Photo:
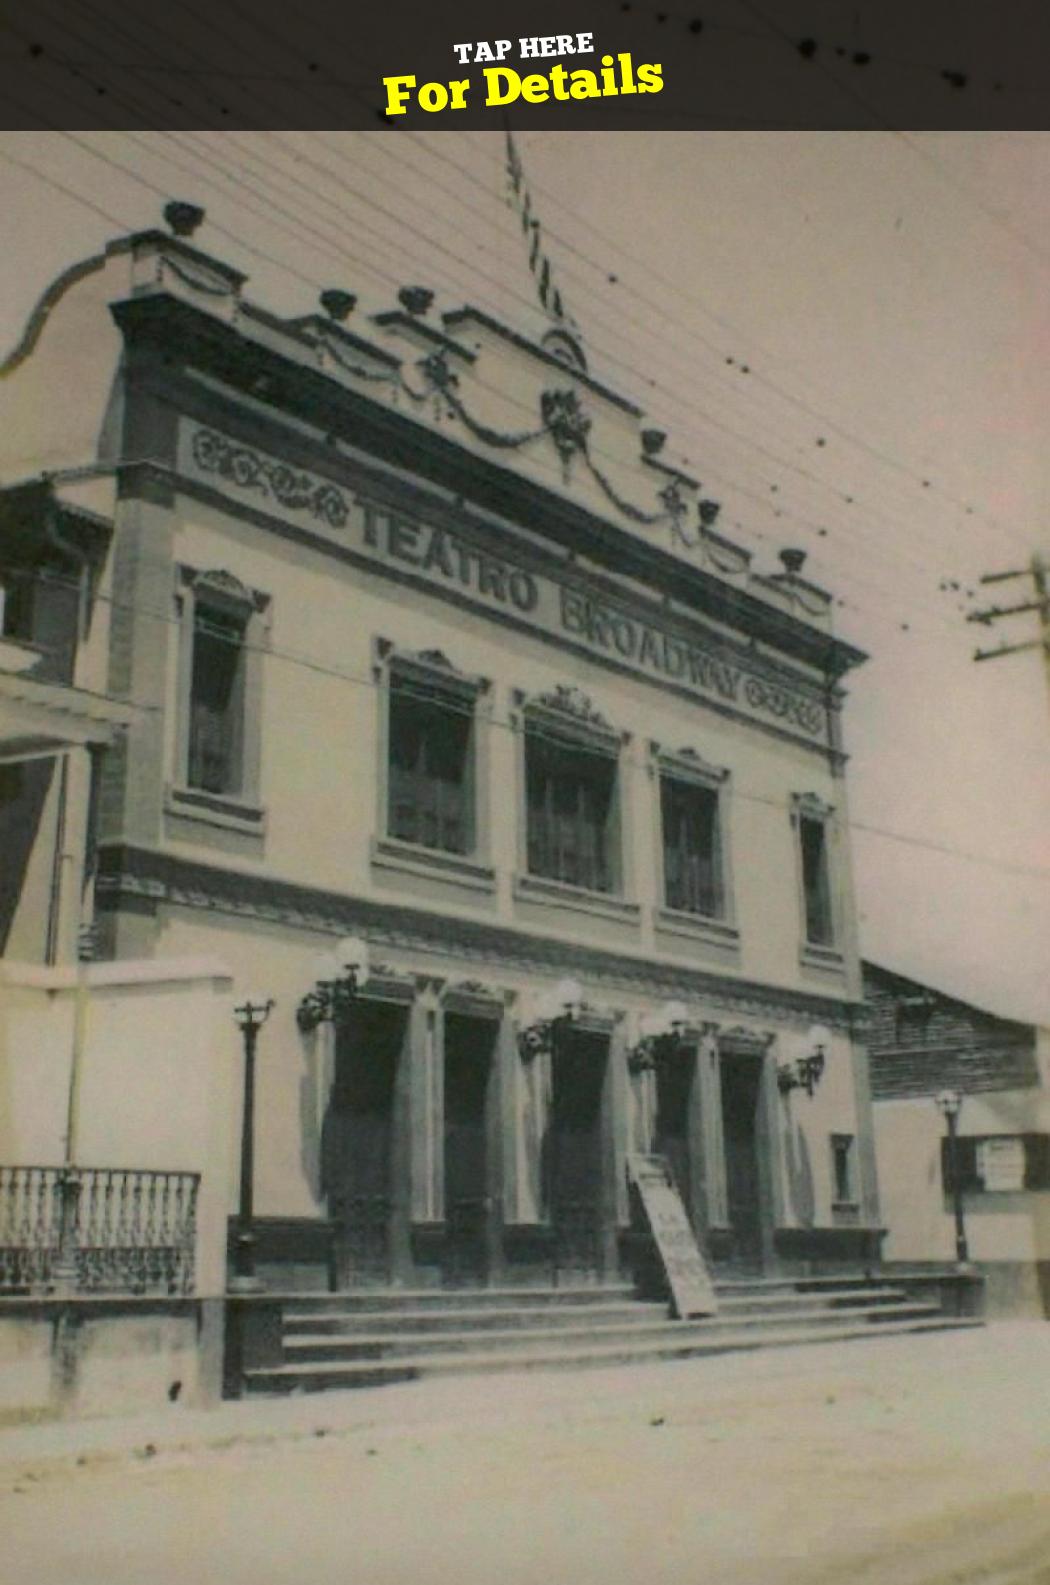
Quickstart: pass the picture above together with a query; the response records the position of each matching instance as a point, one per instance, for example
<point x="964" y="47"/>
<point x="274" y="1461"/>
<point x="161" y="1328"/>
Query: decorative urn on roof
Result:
<point x="183" y="218"/>
<point x="338" y="305"/>
<point x="415" y="299"/>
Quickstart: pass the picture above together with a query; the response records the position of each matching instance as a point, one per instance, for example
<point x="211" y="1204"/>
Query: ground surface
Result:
<point x="916" y="1461"/>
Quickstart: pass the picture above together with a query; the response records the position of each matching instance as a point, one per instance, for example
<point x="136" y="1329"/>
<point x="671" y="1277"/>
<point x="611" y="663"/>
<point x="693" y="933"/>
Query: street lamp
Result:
<point x="661" y="1035"/>
<point x="250" y="1015"/>
<point x="949" y="1104"/>
<point x="546" y="1015"/>
<point x="338" y="977"/>
<point x="806" y="1071"/>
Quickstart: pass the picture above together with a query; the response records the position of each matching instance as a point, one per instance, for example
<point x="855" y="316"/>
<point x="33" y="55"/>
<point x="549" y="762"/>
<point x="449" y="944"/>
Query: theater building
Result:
<point x="422" y="637"/>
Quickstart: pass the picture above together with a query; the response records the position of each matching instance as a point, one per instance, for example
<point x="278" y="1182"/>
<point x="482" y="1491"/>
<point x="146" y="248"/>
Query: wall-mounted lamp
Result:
<point x="550" y="1012"/>
<point x="661" y="1035"/>
<point x="805" y="1072"/>
<point x="338" y="976"/>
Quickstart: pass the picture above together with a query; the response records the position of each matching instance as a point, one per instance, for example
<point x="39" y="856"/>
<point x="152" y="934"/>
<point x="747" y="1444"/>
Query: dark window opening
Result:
<point x="430" y="791"/>
<point x="216" y="726"/>
<point x="842" y="1168"/>
<point x="816" y="884"/>
<point x="692" y="848"/>
<point x="570" y="797"/>
<point x="39" y="608"/>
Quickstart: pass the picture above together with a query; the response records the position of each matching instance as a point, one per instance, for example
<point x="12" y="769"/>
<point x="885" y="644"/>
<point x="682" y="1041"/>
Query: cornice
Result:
<point x="368" y="480"/>
<point x="308" y="394"/>
<point x="132" y="874"/>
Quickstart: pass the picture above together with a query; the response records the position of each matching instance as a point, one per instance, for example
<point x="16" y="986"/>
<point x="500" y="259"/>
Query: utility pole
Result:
<point x="1039" y="572"/>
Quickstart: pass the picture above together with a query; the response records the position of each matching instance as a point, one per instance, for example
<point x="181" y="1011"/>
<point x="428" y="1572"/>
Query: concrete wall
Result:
<point x="160" y="1078"/>
<point x="87" y="1357"/>
<point x="1008" y="1232"/>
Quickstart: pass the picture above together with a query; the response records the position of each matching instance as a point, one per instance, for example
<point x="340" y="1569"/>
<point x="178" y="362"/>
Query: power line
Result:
<point x="709" y="418"/>
<point x="565" y="241"/>
<point x="626" y="759"/>
<point x="743" y="488"/>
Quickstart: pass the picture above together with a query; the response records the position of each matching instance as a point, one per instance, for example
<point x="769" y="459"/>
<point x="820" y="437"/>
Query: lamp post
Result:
<point x="250" y="1015"/>
<point x="949" y="1104"/>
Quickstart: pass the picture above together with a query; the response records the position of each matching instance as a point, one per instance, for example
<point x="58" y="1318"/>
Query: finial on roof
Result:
<point x="793" y="560"/>
<point x="337" y="304"/>
<point x="564" y="337"/>
<point x="183" y="218"/>
<point x="415" y="299"/>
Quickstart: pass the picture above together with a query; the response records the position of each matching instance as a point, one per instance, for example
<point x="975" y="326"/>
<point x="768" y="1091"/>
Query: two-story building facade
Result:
<point x="425" y="641"/>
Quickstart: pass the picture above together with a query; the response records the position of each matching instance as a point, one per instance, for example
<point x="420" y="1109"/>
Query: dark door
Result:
<point x="674" y="1084"/>
<point x="575" y="1154"/>
<point x="468" y="1069"/>
<point x="741" y="1085"/>
<point x="358" y="1142"/>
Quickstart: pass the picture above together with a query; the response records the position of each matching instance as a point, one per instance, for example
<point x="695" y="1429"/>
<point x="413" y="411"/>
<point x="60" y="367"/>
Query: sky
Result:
<point x="846" y="334"/>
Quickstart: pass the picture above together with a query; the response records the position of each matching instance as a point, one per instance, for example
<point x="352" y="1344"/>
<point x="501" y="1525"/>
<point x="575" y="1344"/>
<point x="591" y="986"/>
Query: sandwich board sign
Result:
<point x="692" y="1291"/>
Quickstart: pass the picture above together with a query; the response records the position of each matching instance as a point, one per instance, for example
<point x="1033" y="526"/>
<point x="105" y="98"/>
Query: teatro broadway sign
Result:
<point x="560" y="606"/>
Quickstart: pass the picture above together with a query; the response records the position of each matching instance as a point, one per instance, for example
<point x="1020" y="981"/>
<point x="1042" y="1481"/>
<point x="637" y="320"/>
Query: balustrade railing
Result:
<point x="100" y="1229"/>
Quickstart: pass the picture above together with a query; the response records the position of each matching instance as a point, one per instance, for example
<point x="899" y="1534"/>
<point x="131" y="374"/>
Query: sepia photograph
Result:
<point x="524" y="862"/>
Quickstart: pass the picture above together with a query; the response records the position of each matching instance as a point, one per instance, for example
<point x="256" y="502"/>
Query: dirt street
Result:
<point x="916" y="1461"/>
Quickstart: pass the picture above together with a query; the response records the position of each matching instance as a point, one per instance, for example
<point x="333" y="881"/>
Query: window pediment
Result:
<point x="687" y="764"/>
<point x="569" y="713"/>
<point x="431" y="670"/>
<point x="809" y="806"/>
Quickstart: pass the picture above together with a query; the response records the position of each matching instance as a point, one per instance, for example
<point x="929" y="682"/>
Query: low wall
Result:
<point x="86" y="1356"/>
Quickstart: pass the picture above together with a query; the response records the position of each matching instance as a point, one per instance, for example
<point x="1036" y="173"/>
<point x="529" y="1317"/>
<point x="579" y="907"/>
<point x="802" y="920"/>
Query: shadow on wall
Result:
<point x="1039" y="1210"/>
<point x="799" y="1174"/>
<point x="311" y="1106"/>
<point x="23" y="795"/>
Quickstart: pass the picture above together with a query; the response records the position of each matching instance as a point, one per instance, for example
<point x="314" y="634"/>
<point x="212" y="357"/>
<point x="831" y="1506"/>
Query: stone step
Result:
<point x="390" y="1345"/>
<point x="365" y="1300"/>
<point x="689" y="1342"/>
<point x="466" y="1315"/>
<point x="843" y="1279"/>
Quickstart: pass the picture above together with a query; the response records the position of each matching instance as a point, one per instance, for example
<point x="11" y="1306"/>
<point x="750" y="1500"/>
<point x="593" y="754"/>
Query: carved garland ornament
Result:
<point x="290" y="487"/>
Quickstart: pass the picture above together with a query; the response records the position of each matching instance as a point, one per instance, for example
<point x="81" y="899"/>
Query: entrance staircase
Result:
<point x="372" y="1338"/>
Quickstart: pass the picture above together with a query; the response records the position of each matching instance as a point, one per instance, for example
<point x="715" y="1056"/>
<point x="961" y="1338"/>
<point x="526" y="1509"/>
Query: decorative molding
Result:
<point x="195" y="280"/>
<point x="744" y="1042"/>
<point x="250" y="470"/>
<point x="560" y="894"/>
<point x="567" y="423"/>
<point x="159" y="318"/>
<point x="828" y="959"/>
<point x="566" y="699"/>
<point x="128" y="874"/>
<point x="687" y="764"/>
<point x="810" y="806"/>
<point x="453" y="869"/>
<point x="431" y="668"/>
<point x="699" y="929"/>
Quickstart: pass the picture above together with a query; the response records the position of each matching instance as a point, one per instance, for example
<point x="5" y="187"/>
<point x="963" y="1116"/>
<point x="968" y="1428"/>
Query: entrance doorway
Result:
<point x="741" y="1093"/>
<point x="469" y="1051"/>
<point x="674" y="1090"/>
<point x="574" y="1154"/>
<point x="358" y="1143"/>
